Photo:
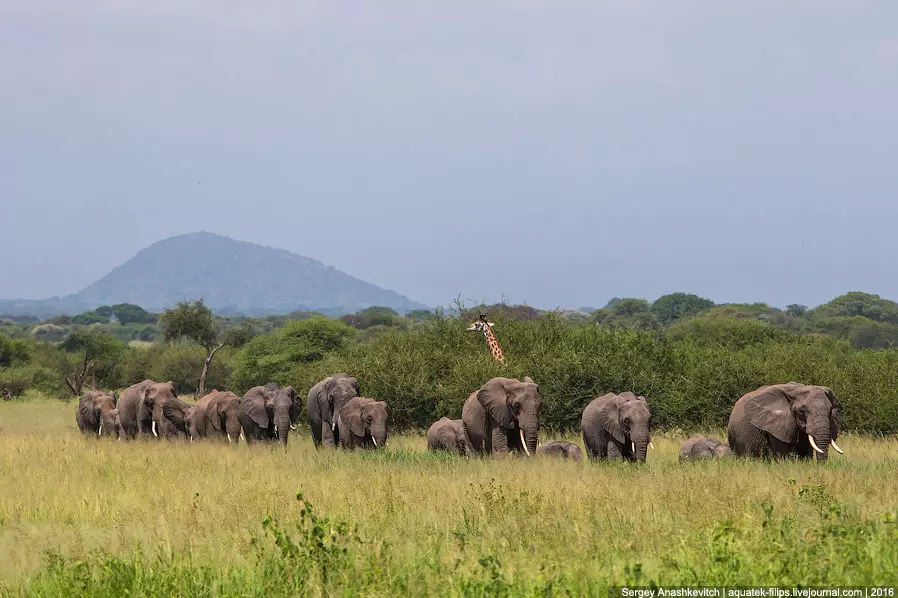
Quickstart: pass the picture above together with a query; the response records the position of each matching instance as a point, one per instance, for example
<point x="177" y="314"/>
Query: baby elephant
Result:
<point x="365" y="423"/>
<point x="700" y="447"/>
<point x="447" y="435"/>
<point x="561" y="448"/>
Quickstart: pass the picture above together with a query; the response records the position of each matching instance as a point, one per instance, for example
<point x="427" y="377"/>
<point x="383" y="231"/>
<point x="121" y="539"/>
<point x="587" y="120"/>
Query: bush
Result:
<point x="691" y="380"/>
<point x="273" y="356"/>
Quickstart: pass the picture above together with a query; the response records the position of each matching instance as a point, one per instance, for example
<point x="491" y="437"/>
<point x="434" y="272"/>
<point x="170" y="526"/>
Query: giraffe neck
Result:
<point x="493" y="344"/>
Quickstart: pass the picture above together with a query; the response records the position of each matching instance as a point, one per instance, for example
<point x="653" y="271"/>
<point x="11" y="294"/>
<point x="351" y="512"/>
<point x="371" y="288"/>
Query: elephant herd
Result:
<point x="499" y="418"/>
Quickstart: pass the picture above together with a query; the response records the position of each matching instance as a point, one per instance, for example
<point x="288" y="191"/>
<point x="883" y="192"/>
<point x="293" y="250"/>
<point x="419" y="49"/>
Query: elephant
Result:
<point x="561" y="448"/>
<point x="97" y="414"/>
<point x="701" y="447"/>
<point x="269" y="412"/>
<point x="617" y="427"/>
<point x="216" y="414"/>
<point x="324" y="403"/>
<point x="364" y="423"/>
<point x="167" y="410"/>
<point x="785" y="419"/>
<point x="447" y="435"/>
<point x="134" y="415"/>
<point x="503" y="416"/>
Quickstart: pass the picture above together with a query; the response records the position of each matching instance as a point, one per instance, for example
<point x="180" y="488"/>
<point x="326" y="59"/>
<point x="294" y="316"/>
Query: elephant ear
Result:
<point x="352" y="414"/>
<point x="835" y="402"/>
<point x="254" y="407"/>
<point x="295" y="403"/>
<point x="447" y="435"/>
<point x="529" y="380"/>
<point x="215" y="416"/>
<point x="769" y="409"/>
<point x="87" y="413"/>
<point x="493" y="397"/>
<point x="143" y="412"/>
<point x="610" y="415"/>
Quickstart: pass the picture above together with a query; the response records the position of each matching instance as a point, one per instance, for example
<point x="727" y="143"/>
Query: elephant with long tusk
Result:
<point x="503" y="417"/>
<point x="786" y="419"/>
<point x="324" y="402"/>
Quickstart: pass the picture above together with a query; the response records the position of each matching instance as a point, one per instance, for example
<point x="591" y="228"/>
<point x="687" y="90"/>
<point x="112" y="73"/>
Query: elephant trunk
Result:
<point x="283" y="428"/>
<point x="529" y="428"/>
<point x="819" y="435"/>
<point x="233" y="427"/>
<point x="639" y="443"/>
<point x="378" y="435"/>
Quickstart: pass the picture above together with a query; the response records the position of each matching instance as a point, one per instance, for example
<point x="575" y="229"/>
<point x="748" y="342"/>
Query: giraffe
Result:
<point x="481" y="325"/>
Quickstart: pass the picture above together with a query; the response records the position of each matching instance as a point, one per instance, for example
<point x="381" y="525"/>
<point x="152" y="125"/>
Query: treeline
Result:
<point x="690" y="360"/>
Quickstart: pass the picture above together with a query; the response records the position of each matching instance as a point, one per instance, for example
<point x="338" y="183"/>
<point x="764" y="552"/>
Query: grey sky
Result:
<point x="557" y="152"/>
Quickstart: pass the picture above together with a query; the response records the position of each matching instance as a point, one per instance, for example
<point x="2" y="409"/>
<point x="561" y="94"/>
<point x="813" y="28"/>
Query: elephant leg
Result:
<point x="780" y="449"/>
<point x="613" y="451"/>
<point x="499" y="438"/>
<point x="327" y="435"/>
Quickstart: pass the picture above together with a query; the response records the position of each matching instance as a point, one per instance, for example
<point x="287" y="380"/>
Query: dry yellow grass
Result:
<point x="540" y="517"/>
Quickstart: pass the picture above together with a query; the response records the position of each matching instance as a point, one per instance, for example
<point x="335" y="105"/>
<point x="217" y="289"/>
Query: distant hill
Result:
<point x="231" y="276"/>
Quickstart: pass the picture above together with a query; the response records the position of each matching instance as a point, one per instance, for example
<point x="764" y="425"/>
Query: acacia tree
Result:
<point x="194" y="321"/>
<point x="85" y="353"/>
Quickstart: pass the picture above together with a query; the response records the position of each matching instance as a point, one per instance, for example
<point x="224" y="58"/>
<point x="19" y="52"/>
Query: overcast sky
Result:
<point x="555" y="152"/>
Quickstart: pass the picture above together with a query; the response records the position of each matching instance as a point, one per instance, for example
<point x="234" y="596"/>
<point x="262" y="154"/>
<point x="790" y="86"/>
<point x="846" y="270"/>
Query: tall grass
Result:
<point x="85" y="517"/>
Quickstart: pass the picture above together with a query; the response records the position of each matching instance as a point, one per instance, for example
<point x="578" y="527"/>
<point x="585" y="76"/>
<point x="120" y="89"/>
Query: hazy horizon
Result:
<point x="557" y="154"/>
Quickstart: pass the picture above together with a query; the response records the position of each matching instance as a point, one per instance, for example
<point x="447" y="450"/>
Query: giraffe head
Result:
<point x="481" y="324"/>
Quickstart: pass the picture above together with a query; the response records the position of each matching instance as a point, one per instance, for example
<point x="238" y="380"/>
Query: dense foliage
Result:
<point x="691" y="359"/>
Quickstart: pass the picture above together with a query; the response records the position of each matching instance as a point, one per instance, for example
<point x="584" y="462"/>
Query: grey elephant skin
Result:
<point x="135" y="417"/>
<point x="216" y="415"/>
<point x="167" y="410"/>
<point x="324" y="402"/>
<point x="503" y="417"/>
<point x="447" y="435"/>
<point x="561" y="449"/>
<point x="96" y="414"/>
<point x="702" y="447"/>
<point x="785" y="419"/>
<point x="617" y="427"/>
<point x="268" y="413"/>
<point x="363" y="424"/>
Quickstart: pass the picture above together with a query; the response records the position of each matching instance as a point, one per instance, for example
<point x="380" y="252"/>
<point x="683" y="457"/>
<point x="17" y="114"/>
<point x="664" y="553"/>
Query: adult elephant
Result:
<point x="269" y="412"/>
<point x="324" y="403"/>
<point x="167" y="410"/>
<point x="701" y="447"/>
<point x="215" y="415"/>
<point x="562" y="449"/>
<point x="447" y="435"/>
<point x="364" y="423"/>
<point x="617" y="427"/>
<point x="96" y="414"/>
<point x="134" y="415"/>
<point x="785" y="419"/>
<point x="503" y="416"/>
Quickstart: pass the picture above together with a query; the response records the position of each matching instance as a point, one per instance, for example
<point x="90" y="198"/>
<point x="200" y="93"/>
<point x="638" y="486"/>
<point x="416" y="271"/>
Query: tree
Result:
<point x="128" y="313"/>
<point x="86" y="351"/>
<point x="675" y="306"/>
<point x="626" y="313"/>
<point x="796" y="310"/>
<point x="194" y="321"/>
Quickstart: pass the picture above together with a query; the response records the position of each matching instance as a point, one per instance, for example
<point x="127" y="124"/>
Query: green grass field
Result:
<point x="86" y="517"/>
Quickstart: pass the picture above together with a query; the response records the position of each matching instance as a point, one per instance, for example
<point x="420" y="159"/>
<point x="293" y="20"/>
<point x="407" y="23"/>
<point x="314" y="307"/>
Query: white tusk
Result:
<point x="293" y="427"/>
<point x="191" y="438"/>
<point x="633" y="446"/>
<point x="229" y="438"/>
<point x="119" y="439"/>
<point x="154" y="429"/>
<point x="333" y="426"/>
<point x="814" y="444"/>
<point x="275" y="429"/>
<point x="836" y="446"/>
<point x="524" y="442"/>
<point x="374" y="440"/>
<point x="242" y="437"/>
<point x="651" y="446"/>
<point x="100" y="429"/>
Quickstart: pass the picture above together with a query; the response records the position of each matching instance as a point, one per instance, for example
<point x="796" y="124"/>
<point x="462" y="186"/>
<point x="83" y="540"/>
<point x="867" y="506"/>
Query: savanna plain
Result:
<point x="93" y="517"/>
